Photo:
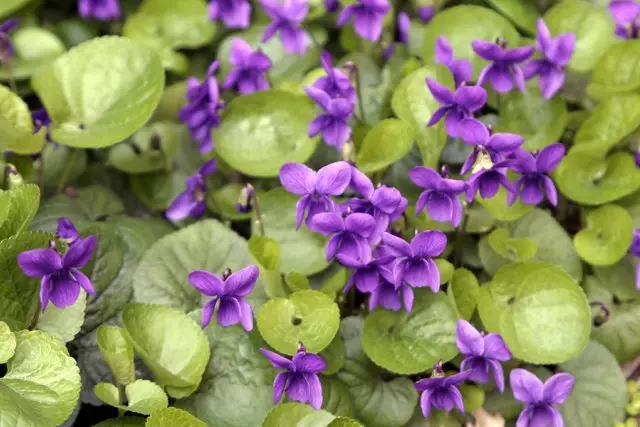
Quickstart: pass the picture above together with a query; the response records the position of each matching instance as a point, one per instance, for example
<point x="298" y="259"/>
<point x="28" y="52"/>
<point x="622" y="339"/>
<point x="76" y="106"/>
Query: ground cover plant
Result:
<point x="376" y="213"/>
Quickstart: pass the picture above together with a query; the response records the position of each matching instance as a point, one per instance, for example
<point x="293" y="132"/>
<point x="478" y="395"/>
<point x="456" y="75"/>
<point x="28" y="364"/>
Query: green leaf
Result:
<point x="498" y="208"/>
<point x="344" y="422"/>
<point x="7" y="343"/>
<point x="520" y="12"/>
<point x="515" y="250"/>
<point x="553" y="243"/>
<point x="334" y="355"/>
<point x="128" y="422"/>
<point x="297" y="282"/>
<point x="170" y="24"/>
<point x="173" y="417"/>
<point x="538" y="120"/>
<point x="237" y="387"/>
<point x="92" y="203"/>
<point x="473" y="397"/>
<point x="19" y="297"/>
<point x="592" y="26"/>
<point x="289" y="414"/>
<point x="463" y="24"/>
<point x="389" y="141"/>
<point x="378" y="402"/>
<point x="223" y="201"/>
<point x="592" y="180"/>
<point x="57" y="162"/>
<point x="21" y="204"/>
<point x="409" y="343"/>
<point x="599" y="395"/>
<point x="336" y="398"/>
<point x="310" y="317"/>
<point x="446" y="270"/>
<point x="108" y="393"/>
<point x="464" y="288"/>
<point x="526" y="298"/>
<point x="266" y="252"/>
<point x="621" y="332"/>
<point x="35" y="48"/>
<point x="613" y="120"/>
<point x="10" y="6"/>
<point x="286" y="67"/>
<point x="65" y="323"/>
<point x="264" y="130"/>
<point x="117" y="353"/>
<point x="145" y="397"/>
<point x="301" y="251"/>
<point x="16" y="127"/>
<point x="161" y="276"/>
<point x="606" y="237"/>
<point x="126" y="81"/>
<point x="42" y="383"/>
<point x="616" y="71"/>
<point x="150" y="149"/>
<point x="171" y="345"/>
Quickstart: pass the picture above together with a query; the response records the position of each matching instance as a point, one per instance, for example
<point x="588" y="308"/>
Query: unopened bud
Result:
<point x="245" y="200"/>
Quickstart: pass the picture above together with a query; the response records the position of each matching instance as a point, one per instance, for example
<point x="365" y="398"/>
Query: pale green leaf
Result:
<point x="16" y="127"/>
<point x="264" y="130"/>
<point x="21" y="204"/>
<point x="464" y="288"/>
<point x="599" y="395"/>
<point x="64" y="323"/>
<point x="498" y="208"/>
<point x="389" y="141"/>
<point x="266" y="252"/>
<point x="617" y="70"/>
<point x="237" y="388"/>
<point x="35" y="48"/>
<point x="108" y="393"/>
<point x="310" y="317"/>
<point x="19" y="297"/>
<point x="592" y="26"/>
<point x="171" y="345"/>
<point x="145" y="397"/>
<point x="125" y="80"/>
<point x="521" y="12"/>
<point x="301" y="251"/>
<point x="173" y="417"/>
<point x="606" y="236"/>
<point x="287" y="414"/>
<point x="10" y="6"/>
<point x="42" y="383"/>
<point x="161" y="276"/>
<point x="461" y="25"/>
<point x="409" y="343"/>
<point x="117" y="353"/>
<point x="591" y="180"/>
<point x="7" y="343"/>
<point x="526" y="298"/>
<point x="513" y="249"/>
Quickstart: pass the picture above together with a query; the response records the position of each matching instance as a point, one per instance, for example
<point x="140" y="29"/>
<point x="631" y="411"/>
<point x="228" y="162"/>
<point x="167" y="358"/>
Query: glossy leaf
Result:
<point x="16" y="127"/>
<point x="35" y="48"/>
<point x="20" y="206"/>
<point x="464" y="288"/>
<point x="117" y="352"/>
<point x="520" y="12"/>
<point x="65" y="323"/>
<point x="7" y="343"/>
<point x="616" y="71"/>
<point x="173" y="417"/>
<point x="516" y="250"/>
<point x="606" y="237"/>
<point x="389" y="141"/>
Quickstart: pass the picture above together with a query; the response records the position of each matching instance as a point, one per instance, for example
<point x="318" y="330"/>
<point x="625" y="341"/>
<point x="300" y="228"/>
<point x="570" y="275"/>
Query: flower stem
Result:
<point x="67" y="171"/>
<point x="259" y="219"/>
<point x="359" y="94"/>
<point x="457" y="255"/>
<point x="36" y="317"/>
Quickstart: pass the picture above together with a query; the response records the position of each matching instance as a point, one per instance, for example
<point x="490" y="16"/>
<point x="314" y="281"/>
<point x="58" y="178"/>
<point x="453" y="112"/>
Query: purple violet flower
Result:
<point x="426" y="13"/>
<point x="7" y="49"/>
<point x="67" y="231"/>
<point x="230" y="292"/>
<point x="389" y="295"/>
<point x="336" y="84"/>
<point x="367" y="17"/>
<point x="414" y="262"/>
<point x="349" y="241"/>
<point x="334" y="122"/>
<point x="534" y="180"/>
<point x="402" y="34"/>
<point x="489" y="147"/>
<point x="634" y="249"/>
<point x="461" y="69"/>
<point x="300" y="380"/>
<point x="441" y="392"/>
<point x="488" y="180"/>
<point x="286" y="19"/>
<point x="481" y="353"/>
<point x="540" y="398"/>
<point x="41" y="119"/>
<point x="202" y="112"/>
<point x="233" y="13"/>
<point x="61" y="278"/>
<point x="249" y="68"/>
<point x="102" y="10"/>
<point x="626" y="13"/>
<point x="637" y="158"/>
<point x="556" y="54"/>
<point x="245" y="201"/>
<point x="440" y="197"/>
<point x="332" y="5"/>
<point x="385" y="204"/>
<point x="192" y="202"/>
<point x="365" y="277"/>
<point x="456" y="107"/>
<point x="316" y="188"/>
<point x="503" y="72"/>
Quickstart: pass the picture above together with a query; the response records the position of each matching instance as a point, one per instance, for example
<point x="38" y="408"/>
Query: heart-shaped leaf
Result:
<point x="606" y="237"/>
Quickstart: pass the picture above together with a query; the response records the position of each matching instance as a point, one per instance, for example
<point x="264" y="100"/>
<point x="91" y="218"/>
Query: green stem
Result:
<point x="36" y="317"/>
<point x="67" y="171"/>
<point x="359" y="94"/>
<point x="256" y="206"/>
<point x="457" y="256"/>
